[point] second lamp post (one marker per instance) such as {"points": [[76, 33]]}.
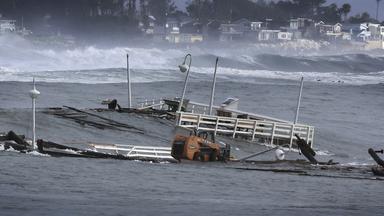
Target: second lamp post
{"points": [[184, 68]]}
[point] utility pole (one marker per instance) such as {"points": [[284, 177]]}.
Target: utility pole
{"points": [[377, 9], [213, 88], [129, 83], [299, 100]]}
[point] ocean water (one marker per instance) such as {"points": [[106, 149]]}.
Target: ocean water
{"points": [[342, 97]]}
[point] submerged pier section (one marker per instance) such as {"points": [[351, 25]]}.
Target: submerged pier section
{"points": [[263, 131], [230, 121]]}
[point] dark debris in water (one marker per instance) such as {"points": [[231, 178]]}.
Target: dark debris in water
{"points": [[304, 168], [91, 119]]}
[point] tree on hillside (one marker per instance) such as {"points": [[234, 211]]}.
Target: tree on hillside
{"points": [[345, 9], [361, 18], [160, 9], [279, 11], [202, 10], [329, 14]]}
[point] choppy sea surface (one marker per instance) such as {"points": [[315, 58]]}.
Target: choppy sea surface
{"points": [[342, 97]]}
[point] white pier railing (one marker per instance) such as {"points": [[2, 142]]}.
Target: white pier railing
{"points": [[200, 108], [152, 103], [253, 126], [141, 152], [279, 133]]}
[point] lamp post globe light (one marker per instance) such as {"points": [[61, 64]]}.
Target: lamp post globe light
{"points": [[184, 67], [34, 93]]}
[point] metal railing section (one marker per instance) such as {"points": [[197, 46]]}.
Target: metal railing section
{"points": [[274, 132], [153, 152]]}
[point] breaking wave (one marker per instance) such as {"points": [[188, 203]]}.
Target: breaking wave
{"points": [[19, 61]]}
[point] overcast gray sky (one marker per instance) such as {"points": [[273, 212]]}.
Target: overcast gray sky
{"points": [[358, 6]]}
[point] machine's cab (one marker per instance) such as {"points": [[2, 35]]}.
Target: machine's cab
{"points": [[199, 145]]}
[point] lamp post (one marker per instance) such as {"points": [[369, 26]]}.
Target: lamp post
{"points": [[34, 93], [184, 68], [129, 83], [377, 9], [213, 87], [299, 100]]}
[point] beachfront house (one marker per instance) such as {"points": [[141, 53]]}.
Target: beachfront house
{"points": [[256, 26], [244, 23], [299, 23], [185, 38], [241, 29], [231, 31], [158, 33], [185, 31], [299, 27], [371, 31], [284, 36], [172, 29], [372, 34], [351, 30], [211, 30], [268, 35], [172, 25], [7, 26], [329, 31], [376, 30], [148, 29]]}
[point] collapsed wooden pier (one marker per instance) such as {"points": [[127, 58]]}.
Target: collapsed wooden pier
{"points": [[106, 151], [264, 131], [235, 123]]}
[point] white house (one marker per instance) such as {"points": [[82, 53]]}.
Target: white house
{"points": [[7, 26], [268, 35], [371, 31], [328, 31], [373, 35], [299, 23], [255, 26], [231, 32], [185, 38], [285, 36]]}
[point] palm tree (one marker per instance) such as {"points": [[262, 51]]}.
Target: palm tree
{"points": [[345, 9], [377, 9]]}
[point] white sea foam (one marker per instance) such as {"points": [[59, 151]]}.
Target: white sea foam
{"points": [[357, 164], [141, 76], [324, 153], [326, 77], [36, 153], [19, 61], [10, 149]]}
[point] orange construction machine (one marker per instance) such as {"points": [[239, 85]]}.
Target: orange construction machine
{"points": [[199, 146]]}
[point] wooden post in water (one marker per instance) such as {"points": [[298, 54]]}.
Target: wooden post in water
{"points": [[213, 87], [299, 100], [129, 84]]}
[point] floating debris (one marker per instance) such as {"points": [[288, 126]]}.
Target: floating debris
{"points": [[87, 118], [379, 169]]}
